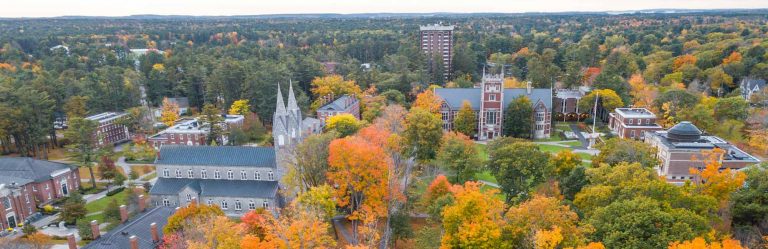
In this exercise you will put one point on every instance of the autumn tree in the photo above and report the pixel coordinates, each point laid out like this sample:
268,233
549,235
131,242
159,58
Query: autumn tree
330,87
518,118
459,154
213,232
295,228
76,106
318,200
564,162
359,170
474,219
642,93
541,213
606,97
731,108
73,208
466,120
428,100
240,107
310,164
700,243
422,133
519,167
344,124
191,212
616,150
750,207
170,112
715,182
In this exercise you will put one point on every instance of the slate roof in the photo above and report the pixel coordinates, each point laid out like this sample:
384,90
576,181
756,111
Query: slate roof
338,104
216,187
216,156
138,226
19,169
750,83
181,102
456,96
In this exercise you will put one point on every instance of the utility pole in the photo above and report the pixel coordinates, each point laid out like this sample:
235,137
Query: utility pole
592,136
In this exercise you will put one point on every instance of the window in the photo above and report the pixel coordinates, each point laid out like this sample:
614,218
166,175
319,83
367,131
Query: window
178,173
166,202
34,188
238,205
209,202
540,117
251,205
492,97
632,133
271,176
189,197
257,176
190,174
243,175
631,121
26,197
491,117
265,204
49,196
7,203
203,174
224,205
639,121
230,175
216,174
166,173
46,186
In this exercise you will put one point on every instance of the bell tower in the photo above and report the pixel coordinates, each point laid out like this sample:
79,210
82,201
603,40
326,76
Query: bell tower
491,105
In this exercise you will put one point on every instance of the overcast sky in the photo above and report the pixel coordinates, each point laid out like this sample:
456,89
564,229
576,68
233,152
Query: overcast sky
49,8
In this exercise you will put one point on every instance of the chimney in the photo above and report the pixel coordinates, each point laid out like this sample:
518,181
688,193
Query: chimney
193,201
95,229
134,242
123,213
142,203
153,228
71,242
528,87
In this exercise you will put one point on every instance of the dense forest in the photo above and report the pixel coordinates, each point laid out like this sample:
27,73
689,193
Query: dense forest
685,66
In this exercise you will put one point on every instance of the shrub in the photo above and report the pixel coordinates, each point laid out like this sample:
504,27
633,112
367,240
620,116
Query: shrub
48,209
115,191
84,230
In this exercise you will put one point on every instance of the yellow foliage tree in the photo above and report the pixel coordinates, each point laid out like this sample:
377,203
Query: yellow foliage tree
715,182
700,243
548,239
543,213
295,228
240,107
512,82
474,219
345,124
642,94
170,112
332,86
158,67
683,60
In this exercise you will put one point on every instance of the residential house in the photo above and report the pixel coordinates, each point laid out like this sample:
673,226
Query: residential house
109,130
346,104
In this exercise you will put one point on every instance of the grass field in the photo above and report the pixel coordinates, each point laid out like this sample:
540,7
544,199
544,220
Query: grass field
99,204
486,176
149,177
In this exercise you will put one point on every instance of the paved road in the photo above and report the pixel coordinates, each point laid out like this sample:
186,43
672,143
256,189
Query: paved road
582,139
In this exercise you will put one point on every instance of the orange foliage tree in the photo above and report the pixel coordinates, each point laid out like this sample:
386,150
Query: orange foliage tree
715,182
427,100
683,60
189,213
295,228
642,93
735,56
438,188
360,171
700,243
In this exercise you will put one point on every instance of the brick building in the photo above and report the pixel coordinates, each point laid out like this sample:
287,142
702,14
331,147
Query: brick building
346,104
632,122
26,183
184,132
109,131
489,102
684,146
438,40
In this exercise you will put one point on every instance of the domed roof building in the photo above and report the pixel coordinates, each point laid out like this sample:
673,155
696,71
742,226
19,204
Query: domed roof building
684,146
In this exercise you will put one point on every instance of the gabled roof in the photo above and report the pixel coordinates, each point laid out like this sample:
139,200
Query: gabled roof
181,102
454,97
339,104
216,187
750,83
216,156
138,226
19,169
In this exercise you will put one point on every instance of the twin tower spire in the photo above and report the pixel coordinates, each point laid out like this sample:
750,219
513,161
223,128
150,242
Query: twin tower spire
287,121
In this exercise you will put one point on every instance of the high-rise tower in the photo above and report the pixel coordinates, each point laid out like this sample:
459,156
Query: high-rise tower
438,40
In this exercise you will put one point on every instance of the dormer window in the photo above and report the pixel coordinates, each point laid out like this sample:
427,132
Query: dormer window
271,176
230,175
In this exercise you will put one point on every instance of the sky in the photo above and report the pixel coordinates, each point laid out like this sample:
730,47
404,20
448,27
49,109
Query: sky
52,8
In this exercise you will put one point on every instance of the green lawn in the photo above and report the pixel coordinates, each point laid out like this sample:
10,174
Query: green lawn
572,143
552,148
99,217
499,194
584,156
100,204
486,176
483,150
149,177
